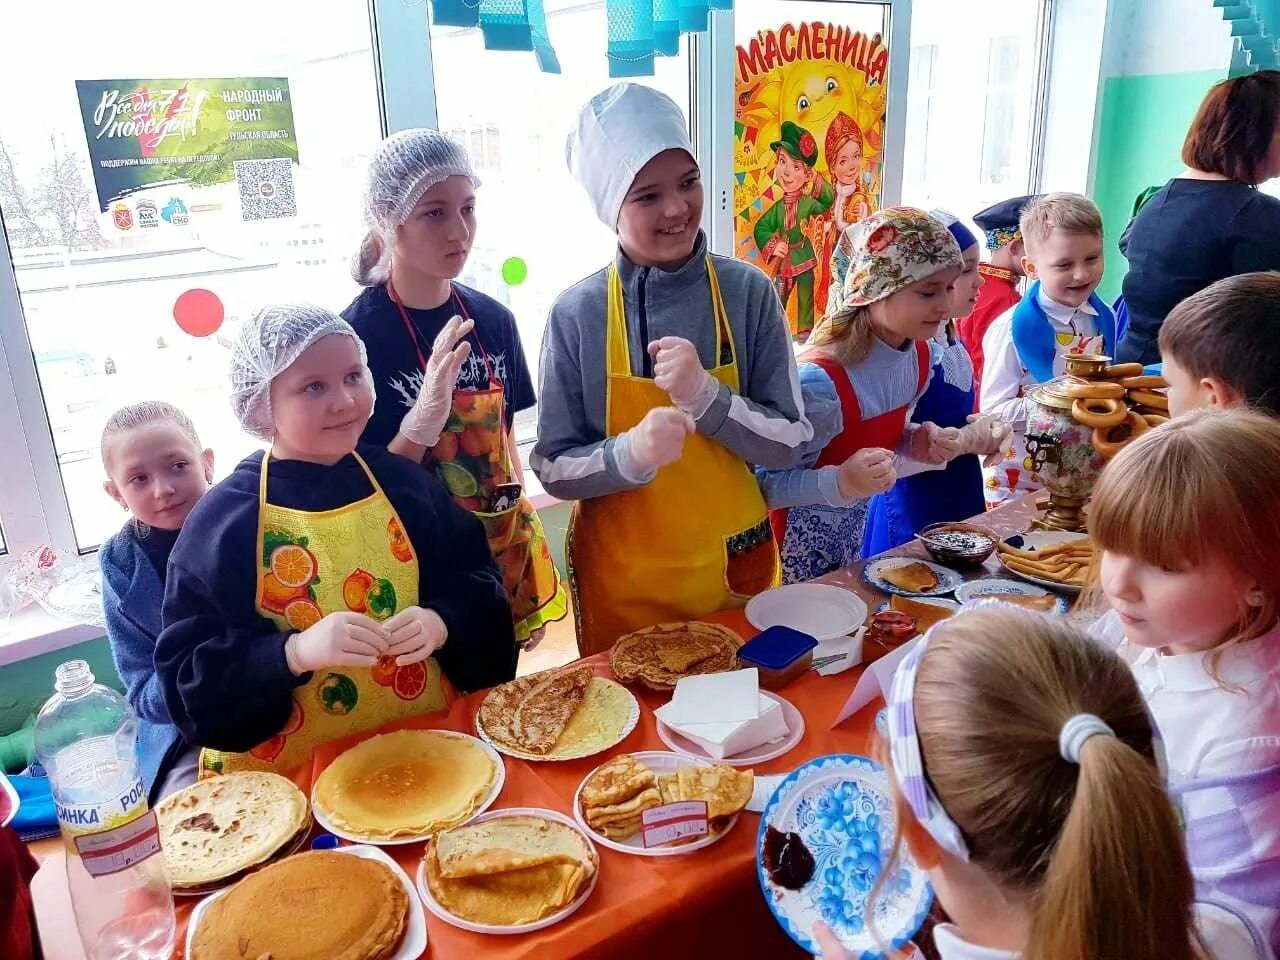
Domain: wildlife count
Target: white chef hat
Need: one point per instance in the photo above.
(618, 131)
(404, 167)
(267, 346)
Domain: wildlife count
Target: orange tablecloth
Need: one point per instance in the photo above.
(642, 907)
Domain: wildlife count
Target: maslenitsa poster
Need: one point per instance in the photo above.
(809, 132)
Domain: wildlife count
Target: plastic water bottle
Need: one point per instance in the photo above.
(86, 738)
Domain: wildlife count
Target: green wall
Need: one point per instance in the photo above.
(1144, 121)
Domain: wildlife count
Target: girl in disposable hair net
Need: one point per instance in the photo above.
(323, 588)
(446, 359)
(1026, 780)
(663, 376)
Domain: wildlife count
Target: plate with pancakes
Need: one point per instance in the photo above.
(405, 786)
(910, 577)
(1014, 592)
(508, 871)
(1055, 559)
(353, 902)
(561, 714)
(217, 830)
(658, 656)
(612, 799)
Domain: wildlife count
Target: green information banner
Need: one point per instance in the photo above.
(146, 133)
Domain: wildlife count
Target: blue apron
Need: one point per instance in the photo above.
(936, 496)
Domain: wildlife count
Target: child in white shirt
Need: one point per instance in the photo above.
(1188, 525)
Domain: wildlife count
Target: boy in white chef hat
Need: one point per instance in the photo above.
(663, 376)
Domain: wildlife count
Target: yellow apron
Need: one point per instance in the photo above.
(309, 565)
(694, 540)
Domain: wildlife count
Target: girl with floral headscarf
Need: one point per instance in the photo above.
(873, 354)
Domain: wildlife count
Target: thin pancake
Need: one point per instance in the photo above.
(507, 843)
(547, 709)
(407, 783)
(725, 789)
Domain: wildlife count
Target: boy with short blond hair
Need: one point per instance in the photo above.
(1061, 315)
(1221, 346)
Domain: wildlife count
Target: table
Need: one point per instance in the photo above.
(642, 907)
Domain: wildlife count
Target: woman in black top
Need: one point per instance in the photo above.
(1211, 222)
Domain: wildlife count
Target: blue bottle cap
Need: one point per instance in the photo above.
(325, 841)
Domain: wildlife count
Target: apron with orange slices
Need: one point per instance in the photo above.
(310, 564)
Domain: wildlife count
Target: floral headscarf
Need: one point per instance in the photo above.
(889, 250)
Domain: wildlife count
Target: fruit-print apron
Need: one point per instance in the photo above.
(817, 540)
(694, 540)
(472, 459)
(309, 565)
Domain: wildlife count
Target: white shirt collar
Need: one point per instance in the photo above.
(1060, 312)
(950, 947)
(1241, 665)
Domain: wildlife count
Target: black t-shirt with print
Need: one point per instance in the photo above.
(397, 377)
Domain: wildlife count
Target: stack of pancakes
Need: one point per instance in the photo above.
(217, 829)
(508, 870)
(615, 797)
(319, 905)
(659, 656)
(405, 784)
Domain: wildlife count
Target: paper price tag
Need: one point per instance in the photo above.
(674, 821)
(121, 847)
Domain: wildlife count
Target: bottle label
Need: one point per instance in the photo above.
(79, 819)
(121, 847)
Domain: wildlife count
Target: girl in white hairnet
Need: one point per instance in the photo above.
(446, 360)
(663, 376)
(321, 589)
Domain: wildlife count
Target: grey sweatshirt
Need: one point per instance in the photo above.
(765, 425)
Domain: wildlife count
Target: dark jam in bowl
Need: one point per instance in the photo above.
(957, 541)
(786, 859)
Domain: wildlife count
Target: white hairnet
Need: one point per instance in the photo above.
(267, 346)
(618, 131)
(404, 167)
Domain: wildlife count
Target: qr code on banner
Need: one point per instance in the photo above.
(266, 189)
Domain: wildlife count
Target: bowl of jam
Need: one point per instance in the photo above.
(958, 544)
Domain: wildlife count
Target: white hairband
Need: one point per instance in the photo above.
(1076, 731)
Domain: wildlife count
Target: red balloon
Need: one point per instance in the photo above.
(199, 312)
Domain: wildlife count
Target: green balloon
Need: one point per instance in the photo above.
(514, 271)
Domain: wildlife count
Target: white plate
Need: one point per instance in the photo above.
(748, 758)
(485, 804)
(632, 719)
(873, 573)
(659, 762)
(435, 907)
(818, 609)
(995, 588)
(842, 808)
(1036, 540)
(412, 945)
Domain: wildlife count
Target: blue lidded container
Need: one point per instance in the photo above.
(779, 654)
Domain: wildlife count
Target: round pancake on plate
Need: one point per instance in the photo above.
(219, 827)
(314, 906)
(409, 783)
(658, 656)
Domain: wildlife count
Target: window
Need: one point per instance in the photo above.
(98, 288)
(529, 205)
(975, 85)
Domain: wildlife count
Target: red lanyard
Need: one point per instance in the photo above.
(413, 332)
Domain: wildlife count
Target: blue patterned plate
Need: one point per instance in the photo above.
(841, 807)
(947, 579)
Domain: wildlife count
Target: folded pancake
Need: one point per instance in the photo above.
(1045, 602)
(547, 709)
(407, 783)
(616, 781)
(924, 614)
(628, 809)
(599, 721)
(669, 787)
(725, 789)
(216, 828)
(318, 905)
(509, 898)
(915, 576)
(660, 655)
(508, 843)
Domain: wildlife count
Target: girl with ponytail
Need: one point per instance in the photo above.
(1027, 777)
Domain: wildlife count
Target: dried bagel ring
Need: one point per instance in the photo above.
(1095, 390)
(1118, 370)
(1148, 398)
(1099, 413)
(1109, 441)
(1144, 383)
